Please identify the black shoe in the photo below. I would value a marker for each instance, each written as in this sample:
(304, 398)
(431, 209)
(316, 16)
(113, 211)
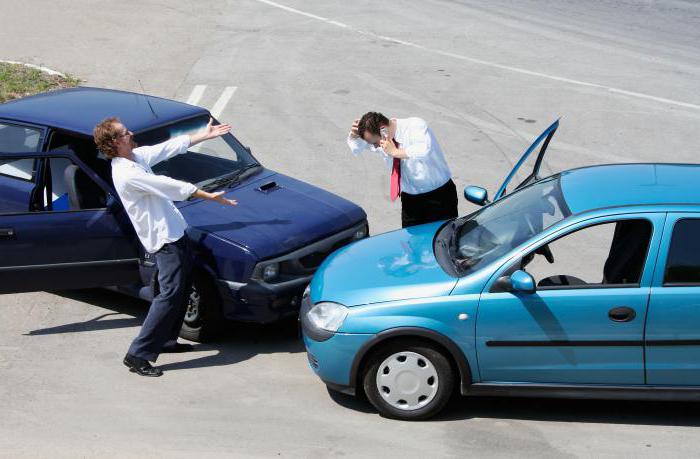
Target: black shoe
(177, 347)
(141, 366)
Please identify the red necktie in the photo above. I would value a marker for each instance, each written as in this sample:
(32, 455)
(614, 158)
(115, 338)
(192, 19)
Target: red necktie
(395, 187)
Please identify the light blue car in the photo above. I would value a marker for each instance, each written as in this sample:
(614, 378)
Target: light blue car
(582, 284)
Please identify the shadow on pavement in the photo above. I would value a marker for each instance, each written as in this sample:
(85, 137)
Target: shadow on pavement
(554, 410)
(237, 343)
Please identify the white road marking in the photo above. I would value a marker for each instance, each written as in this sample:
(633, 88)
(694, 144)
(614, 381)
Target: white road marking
(196, 94)
(222, 101)
(496, 65)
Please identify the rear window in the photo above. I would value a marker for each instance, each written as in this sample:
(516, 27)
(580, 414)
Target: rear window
(18, 139)
(683, 264)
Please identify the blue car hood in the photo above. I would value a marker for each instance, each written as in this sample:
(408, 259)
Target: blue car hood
(392, 266)
(277, 221)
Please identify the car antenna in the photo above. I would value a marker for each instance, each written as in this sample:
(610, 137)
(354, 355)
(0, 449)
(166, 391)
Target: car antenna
(143, 93)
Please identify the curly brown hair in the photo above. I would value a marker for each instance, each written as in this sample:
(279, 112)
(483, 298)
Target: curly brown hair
(105, 133)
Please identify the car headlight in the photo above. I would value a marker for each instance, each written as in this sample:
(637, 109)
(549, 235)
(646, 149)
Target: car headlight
(327, 316)
(271, 271)
(360, 233)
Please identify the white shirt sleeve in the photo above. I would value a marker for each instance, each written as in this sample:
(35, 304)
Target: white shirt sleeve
(419, 141)
(153, 154)
(141, 182)
(357, 145)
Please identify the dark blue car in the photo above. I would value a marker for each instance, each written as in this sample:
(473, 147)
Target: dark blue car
(62, 225)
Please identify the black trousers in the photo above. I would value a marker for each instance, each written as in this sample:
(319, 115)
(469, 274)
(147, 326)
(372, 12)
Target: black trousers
(164, 320)
(439, 204)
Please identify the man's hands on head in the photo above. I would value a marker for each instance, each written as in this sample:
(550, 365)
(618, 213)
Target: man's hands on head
(353, 130)
(210, 132)
(217, 196)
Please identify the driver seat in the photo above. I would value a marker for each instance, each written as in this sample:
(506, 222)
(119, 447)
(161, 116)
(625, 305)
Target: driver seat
(83, 193)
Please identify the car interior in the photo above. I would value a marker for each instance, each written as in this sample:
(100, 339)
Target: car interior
(71, 187)
(606, 254)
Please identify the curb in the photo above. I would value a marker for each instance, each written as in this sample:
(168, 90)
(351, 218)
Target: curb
(43, 69)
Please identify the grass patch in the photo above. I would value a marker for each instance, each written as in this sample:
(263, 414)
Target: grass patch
(17, 81)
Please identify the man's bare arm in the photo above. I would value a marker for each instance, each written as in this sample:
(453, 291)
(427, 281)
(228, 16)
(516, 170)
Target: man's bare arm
(217, 196)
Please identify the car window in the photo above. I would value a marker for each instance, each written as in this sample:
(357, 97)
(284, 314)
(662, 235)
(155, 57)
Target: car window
(22, 169)
(203, 163)
(507, 223)
(16, 185)
(18, 139)
(683, 263)
(608, 254)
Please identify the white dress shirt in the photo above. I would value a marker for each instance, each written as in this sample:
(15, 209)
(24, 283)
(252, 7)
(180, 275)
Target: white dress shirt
(425, 169)
(148, 198)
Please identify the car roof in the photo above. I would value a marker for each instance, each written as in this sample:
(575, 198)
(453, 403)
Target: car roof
(620, 185)
(80, 109)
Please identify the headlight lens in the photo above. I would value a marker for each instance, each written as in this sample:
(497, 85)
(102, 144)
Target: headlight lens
(360, 234)
(271, 271)
(327, 316)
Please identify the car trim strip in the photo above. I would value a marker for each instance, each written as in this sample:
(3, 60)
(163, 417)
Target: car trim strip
(70, 265)
(594, 343)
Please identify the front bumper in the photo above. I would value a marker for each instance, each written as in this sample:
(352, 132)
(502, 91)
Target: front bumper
(331, 355)
(263, 302)
(332, 359)
(260, 302)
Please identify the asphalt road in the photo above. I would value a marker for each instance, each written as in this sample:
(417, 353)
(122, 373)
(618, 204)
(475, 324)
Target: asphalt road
(487, 76)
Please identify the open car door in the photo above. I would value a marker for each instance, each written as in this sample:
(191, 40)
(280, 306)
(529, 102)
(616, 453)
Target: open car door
(543, 139)
(52, 240)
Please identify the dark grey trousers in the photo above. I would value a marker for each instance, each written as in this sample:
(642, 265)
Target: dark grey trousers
(164, 320)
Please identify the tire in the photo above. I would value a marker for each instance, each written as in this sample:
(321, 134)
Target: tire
(425, 387)
(204, 319)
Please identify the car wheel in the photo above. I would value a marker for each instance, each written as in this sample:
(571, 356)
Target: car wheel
(409, 381)
(203, 318)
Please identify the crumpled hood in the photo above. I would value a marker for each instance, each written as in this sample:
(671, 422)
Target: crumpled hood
(276, 221)
(391, 266)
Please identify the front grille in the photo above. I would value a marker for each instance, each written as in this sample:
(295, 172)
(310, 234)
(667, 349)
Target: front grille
(304, 261)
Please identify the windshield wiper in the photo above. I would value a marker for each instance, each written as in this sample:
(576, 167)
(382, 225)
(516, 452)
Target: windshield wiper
(240, 172)
(229, 179)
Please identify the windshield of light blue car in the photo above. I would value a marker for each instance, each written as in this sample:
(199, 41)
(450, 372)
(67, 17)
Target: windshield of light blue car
(204, 164)
(507, 223)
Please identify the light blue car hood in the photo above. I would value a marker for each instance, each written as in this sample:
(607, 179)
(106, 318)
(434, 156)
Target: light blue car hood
(392, 266)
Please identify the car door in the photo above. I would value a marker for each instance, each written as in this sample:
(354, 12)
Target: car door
(585, 321)
(544, 138)
(46, 242)
(673, 326)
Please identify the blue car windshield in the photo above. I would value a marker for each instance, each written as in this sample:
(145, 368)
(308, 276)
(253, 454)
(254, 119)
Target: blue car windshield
(507, 223)
(208, 163)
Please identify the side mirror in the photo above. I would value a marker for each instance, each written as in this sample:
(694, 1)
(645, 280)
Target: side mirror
(476, 195)
(520, 281)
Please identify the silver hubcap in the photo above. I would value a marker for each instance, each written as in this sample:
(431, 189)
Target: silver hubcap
(407, 380)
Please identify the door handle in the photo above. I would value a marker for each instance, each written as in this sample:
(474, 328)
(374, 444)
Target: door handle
(7, 233)
(622, 314)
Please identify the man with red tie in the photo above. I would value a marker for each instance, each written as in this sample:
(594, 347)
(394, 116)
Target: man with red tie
(419, 172)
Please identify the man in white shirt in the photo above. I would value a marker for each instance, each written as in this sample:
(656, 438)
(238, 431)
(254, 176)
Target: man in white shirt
(148, 201)
(419, 172)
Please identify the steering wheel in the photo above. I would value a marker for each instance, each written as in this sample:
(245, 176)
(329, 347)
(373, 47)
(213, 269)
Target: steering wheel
(546, 253)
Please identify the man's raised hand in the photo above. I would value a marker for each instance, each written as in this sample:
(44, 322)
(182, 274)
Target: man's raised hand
(218, 130)
(353, 130)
